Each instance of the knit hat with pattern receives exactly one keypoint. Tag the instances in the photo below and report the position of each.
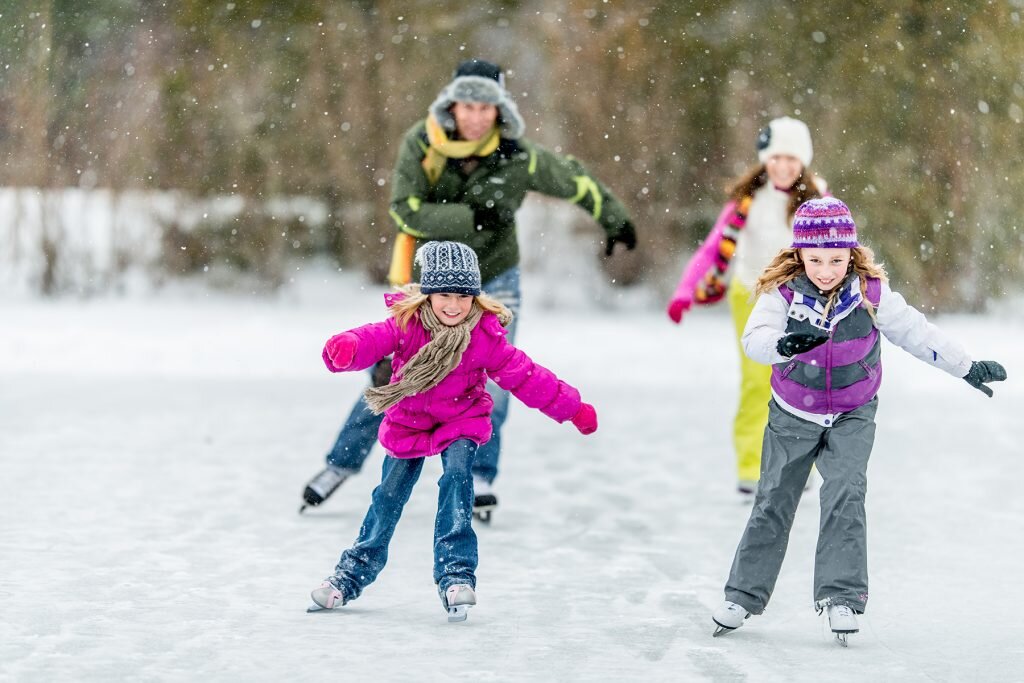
(448, 267)
(824, 223)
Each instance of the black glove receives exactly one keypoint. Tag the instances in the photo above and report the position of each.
(982, 372)
(381, 372)
(626, 235)
(493, 217)
(799, 342)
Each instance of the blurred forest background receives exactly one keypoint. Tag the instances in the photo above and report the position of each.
(257, 132)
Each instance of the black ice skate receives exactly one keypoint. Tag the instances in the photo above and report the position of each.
(484, 500)
(323, 485)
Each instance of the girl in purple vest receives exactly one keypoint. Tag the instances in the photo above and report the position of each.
(448, 338)
(822, 304)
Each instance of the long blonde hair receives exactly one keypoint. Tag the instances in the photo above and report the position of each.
(405, 309)
(787, 266)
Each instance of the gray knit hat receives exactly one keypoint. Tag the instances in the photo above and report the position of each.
(477, 80)
(448, 267)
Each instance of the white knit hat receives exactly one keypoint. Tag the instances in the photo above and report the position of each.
(785, 136)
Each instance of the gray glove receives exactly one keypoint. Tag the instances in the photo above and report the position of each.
(982, 372)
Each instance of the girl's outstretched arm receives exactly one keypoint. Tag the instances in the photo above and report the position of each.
(360, 348)
(533, 384)
(699, 264)
(907, 328)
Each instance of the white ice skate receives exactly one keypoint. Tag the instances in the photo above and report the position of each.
(843, 621)
(457, 600)
(728, 617)
(326, 597)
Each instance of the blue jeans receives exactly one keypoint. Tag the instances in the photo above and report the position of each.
(359, 433)
(455, 546)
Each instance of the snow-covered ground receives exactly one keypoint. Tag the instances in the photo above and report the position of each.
(152, 453)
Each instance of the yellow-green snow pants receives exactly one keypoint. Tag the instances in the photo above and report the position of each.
(755, 392)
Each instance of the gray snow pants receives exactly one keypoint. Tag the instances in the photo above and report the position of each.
(840, 452)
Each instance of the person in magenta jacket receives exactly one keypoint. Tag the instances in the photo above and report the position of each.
(751, 229)
(447, 338)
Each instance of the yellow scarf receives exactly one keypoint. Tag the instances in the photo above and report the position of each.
(441, 148)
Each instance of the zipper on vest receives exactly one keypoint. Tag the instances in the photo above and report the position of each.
(788, 369)
(828, 371)
(868, 369)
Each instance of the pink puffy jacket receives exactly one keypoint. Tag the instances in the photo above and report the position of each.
(459, 407)
(702, 261)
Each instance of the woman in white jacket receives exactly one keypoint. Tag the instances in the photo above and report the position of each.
(753, 226)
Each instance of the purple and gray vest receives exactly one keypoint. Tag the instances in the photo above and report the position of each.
(845, 372)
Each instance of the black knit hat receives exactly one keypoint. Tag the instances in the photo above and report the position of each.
(480, 67)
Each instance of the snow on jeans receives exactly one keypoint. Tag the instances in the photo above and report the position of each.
(840, 452)
(455, 545)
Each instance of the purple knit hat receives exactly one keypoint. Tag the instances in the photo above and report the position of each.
(824, 223)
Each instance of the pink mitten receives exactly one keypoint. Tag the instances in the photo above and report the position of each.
(339, 351)
(585, 419)
(677, 307)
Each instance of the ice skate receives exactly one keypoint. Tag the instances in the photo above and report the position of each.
(843, 621)
(747, 489)
(457, 599)
(323, 485)
(484, 500)
(728, 617)
(326, 597)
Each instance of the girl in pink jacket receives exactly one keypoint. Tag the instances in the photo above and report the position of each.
(447, 338)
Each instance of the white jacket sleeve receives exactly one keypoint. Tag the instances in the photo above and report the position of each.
(765, 327)
(907, 328)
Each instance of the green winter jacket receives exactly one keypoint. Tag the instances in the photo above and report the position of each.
(497, 186)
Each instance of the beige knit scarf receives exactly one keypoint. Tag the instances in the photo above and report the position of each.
(432, 363)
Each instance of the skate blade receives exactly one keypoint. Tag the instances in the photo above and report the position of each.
(458, 613)
(314, 608)
(721, 630)
(842, 635)
(483, 515)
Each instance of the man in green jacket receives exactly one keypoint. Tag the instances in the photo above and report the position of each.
(461, 175)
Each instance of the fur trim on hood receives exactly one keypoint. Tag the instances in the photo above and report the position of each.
(479, 89)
